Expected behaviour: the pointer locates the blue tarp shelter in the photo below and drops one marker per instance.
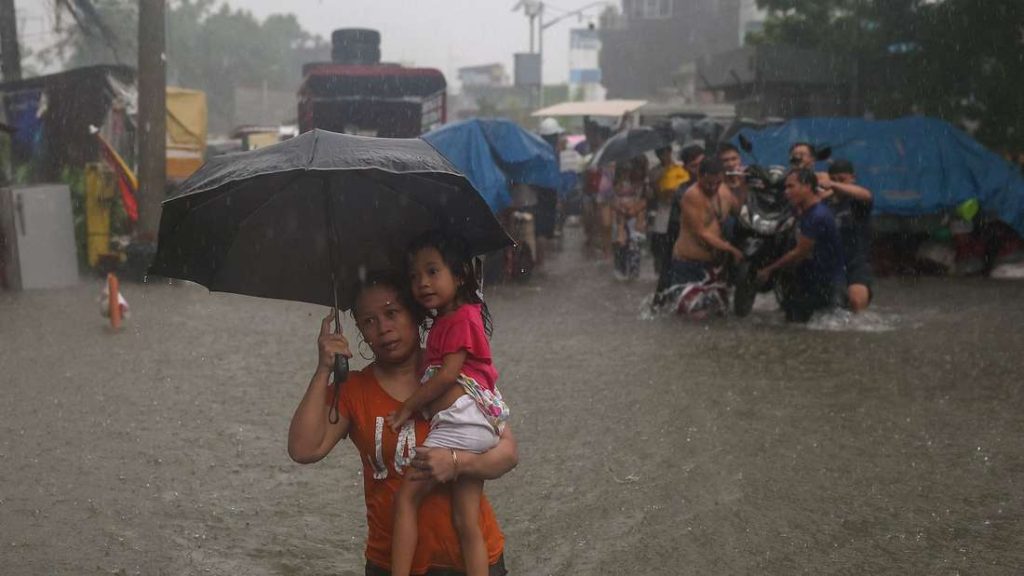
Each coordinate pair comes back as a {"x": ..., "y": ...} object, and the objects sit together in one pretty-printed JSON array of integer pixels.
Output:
[
  {"x": 495, "y": 153},
  {"x": 915, "y": 166}
]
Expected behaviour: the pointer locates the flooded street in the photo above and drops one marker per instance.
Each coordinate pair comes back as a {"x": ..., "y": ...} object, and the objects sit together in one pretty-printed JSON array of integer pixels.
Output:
[{"x": 891, "y": 445}]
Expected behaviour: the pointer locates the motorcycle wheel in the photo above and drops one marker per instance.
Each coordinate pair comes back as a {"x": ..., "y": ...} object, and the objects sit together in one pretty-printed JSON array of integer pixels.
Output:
[{"x": 746, "y": 290}]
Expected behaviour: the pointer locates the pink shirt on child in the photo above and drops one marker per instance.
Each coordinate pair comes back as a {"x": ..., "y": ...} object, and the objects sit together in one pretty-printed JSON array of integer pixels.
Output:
[{"x": 463, "y": 329}]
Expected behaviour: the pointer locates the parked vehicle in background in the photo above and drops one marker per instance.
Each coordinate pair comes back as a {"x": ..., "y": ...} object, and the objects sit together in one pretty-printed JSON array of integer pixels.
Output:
[
  {"x": 356, "y": 93},
  {"x": 186, "y": 132}
]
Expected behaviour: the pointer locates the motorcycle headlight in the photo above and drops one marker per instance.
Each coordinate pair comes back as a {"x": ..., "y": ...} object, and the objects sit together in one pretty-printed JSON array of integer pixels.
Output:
[{"x": 764, "y": 225}]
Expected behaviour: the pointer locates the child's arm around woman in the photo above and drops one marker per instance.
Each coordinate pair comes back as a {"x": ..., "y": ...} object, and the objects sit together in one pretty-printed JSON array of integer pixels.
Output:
[{"x": 444, "y": 381}]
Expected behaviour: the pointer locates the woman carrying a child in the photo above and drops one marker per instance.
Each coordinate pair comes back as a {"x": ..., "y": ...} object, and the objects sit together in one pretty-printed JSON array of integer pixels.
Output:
[
  {"x": 389, "y": 320},
  {"x": 629, "y": 212}
]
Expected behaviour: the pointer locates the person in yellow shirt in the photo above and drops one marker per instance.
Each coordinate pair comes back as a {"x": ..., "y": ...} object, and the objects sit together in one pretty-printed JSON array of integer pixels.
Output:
[{"x": 664, "y": 178}]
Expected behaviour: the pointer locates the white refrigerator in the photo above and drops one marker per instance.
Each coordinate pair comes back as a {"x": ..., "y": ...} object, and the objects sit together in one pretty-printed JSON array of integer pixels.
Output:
[{"x": 38, "y": 241}]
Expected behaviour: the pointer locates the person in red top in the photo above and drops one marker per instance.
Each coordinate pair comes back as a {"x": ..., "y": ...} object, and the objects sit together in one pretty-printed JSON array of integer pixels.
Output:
[
  {"x": 467, "y": 411},
  {"x": 388, "y": 320}
]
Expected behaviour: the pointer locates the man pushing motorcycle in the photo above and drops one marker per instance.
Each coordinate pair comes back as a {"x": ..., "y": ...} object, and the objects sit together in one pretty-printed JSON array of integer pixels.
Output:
[{"x": 818, "y": 280}]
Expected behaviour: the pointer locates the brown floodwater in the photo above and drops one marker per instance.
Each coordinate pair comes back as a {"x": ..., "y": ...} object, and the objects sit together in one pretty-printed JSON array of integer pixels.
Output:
[{"x": 889, "y": 444}]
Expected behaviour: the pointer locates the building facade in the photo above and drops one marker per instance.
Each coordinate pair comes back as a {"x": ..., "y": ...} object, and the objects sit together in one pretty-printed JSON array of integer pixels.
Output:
[{"x": 644, "y": 44}]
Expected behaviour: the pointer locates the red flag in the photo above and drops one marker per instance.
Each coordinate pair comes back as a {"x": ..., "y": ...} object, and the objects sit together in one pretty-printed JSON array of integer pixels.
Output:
[{"x": 126, "y": 180}]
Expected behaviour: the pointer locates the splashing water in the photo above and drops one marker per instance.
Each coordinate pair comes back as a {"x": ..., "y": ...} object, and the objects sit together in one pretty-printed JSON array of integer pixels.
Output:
[
  {"x": 766, "y": 311},
  {"x": 845, "y": 321}
]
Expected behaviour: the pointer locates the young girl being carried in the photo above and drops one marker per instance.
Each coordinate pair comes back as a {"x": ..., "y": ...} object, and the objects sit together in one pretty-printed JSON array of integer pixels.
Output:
[{"x": 458, "y": 390}]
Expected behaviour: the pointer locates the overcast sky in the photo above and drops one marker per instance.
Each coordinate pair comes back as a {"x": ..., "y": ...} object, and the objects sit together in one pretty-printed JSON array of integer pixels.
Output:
[{"x": 445, "y": 34}]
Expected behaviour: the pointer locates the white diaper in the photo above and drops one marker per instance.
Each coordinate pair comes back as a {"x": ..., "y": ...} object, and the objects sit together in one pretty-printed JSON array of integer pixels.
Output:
[{"x": 461, "y": 426}]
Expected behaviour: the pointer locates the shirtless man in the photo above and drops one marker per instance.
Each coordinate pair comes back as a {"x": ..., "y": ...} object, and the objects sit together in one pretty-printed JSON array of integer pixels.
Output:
[{"x": 700, "y": 245}]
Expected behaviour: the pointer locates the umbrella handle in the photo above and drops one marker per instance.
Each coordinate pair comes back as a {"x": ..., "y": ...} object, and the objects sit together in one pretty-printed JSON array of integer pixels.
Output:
[
  {"x": 340, "y": 362},
  {"x": 340, "y": 369},
  {"x": 340, "y": 375}
]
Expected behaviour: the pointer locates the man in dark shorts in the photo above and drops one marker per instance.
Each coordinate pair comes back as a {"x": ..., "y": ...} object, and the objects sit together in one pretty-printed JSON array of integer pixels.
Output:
[
  {"x": 818, "y": 281},
  {"x": 852, "y": 206}
]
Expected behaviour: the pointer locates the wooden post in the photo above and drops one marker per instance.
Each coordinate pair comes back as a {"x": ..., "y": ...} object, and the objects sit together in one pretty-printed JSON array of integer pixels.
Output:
[{"x": 152, "y": 118}]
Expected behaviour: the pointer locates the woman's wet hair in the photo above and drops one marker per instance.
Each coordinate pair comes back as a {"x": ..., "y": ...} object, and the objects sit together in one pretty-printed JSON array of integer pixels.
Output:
[
  {"x": 399, "y": 283},
  {"x": 455, "y": 253}
]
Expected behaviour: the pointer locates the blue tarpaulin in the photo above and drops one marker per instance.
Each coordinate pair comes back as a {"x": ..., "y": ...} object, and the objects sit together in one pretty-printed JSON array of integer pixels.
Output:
[
  {"x": 493, "y": 153},
  {"x": 914, "y": 166}
]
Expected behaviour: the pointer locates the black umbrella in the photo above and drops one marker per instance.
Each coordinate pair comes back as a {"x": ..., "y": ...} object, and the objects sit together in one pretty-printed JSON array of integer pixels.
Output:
[
  {"x": 631, "y": 143},
  {"x": 307, "y": 218}
]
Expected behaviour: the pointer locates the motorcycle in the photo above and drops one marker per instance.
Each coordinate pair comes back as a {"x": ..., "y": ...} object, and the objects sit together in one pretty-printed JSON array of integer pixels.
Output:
[{"x": 764, "y": 232}]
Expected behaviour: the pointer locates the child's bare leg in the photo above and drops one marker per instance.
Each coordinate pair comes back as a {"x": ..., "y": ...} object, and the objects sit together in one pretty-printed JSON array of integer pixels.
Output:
[
  {"x": 404, "y": 531},
  {"x": 466, "y": 495}
]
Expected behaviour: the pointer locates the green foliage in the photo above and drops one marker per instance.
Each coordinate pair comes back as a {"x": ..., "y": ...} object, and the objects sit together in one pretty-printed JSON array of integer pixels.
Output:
[
  {"x": 960, "y": 60},
  {"x": 75, "y": 179},
  {"x": 209, "y": 47}
]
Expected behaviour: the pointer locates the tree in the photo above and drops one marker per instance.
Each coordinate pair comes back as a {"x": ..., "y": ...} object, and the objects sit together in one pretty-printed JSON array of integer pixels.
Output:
[
  {"x": 959, "y": 60},
  {"x": 209, "y": 48}
]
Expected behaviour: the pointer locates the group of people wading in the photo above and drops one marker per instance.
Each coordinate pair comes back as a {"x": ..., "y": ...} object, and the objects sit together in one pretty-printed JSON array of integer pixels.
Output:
[{"x": 688, "y": 211}]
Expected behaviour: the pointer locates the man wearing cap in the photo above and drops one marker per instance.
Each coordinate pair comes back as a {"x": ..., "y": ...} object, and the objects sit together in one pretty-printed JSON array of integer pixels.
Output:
[
  {"x": 546, "y": 213},
  {"x": 550, "y": 131},
  {"x": 852, "y": 205}
]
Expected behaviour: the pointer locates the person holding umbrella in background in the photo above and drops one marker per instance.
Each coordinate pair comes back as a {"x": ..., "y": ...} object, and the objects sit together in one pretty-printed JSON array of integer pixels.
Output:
[{"x": 629, "y": 216}]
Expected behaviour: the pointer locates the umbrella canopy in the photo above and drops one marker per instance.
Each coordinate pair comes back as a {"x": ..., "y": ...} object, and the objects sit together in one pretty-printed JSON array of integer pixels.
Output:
[
  {"x": 632, "y": 143},
  {"x": 291, "y": 220},
  {"x": 493, "y": 152}
]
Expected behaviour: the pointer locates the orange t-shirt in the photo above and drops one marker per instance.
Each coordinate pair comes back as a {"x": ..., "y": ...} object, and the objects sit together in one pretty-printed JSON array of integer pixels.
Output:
[{"x": 385, "y": 455}]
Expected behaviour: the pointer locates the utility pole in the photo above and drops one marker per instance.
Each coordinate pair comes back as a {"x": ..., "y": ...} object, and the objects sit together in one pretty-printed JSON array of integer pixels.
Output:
[
  {"x": 10, "y": 54},
  {"x": 534, "y": 9},
  {"x": 152, "y": 124}
]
